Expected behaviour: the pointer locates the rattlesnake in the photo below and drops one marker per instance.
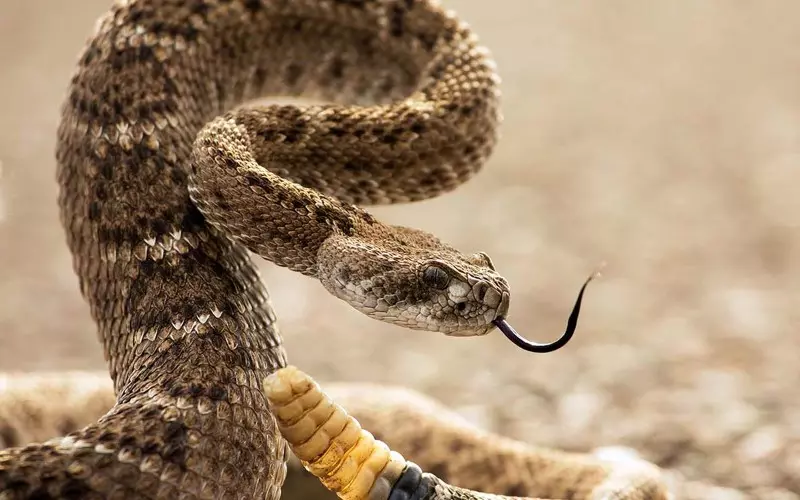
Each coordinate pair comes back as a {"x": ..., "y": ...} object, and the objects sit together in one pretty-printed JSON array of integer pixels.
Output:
[{"x": 164, "y": 187}]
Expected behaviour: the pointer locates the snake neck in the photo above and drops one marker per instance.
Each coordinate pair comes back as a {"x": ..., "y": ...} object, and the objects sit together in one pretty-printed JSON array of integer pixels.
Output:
[
  {"x": 185, "y": 323},
  {"x": 415, "y": 117},
  {"x": 420, "y": 121},
  {"x": 242, "y": 196}
]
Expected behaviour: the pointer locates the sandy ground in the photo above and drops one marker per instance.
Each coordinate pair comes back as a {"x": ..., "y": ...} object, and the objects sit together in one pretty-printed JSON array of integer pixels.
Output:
[{"x": 660, "y": 137}]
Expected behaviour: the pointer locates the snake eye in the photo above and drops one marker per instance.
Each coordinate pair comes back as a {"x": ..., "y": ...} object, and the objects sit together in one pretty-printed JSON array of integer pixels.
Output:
[{"x": 436, "y": 277}]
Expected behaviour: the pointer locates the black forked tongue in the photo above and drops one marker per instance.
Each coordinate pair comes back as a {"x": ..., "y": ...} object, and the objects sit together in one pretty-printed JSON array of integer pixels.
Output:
[{"x": 529, "y": 346}]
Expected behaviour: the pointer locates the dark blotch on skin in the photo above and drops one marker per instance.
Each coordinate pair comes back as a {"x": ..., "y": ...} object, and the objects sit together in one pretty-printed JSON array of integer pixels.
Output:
[
  {"x": 254, "y": 180},
  {"x": 175, "y": 447},
  {"x": 397, "y": 21},
  {"x": 330, "y": 216},
  {"x": 203, "y": 280},
  {"x": 253, "y": 6}
]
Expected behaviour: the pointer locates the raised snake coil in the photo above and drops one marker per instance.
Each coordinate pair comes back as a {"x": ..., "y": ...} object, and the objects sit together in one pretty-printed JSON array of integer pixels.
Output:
[{"x": 160, "y": 200}]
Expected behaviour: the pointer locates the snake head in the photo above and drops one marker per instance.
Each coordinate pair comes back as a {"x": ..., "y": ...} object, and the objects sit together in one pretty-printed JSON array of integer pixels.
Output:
[
  {"x": 432, "y": 289},
  {"x": 466, "y": 295}
]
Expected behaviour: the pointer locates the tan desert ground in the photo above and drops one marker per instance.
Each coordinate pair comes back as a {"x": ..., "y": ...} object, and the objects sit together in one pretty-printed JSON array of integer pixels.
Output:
[{"x": 660, "y": 137}]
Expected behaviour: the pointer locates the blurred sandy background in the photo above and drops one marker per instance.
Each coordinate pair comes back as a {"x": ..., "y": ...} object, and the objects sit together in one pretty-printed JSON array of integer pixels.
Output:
[{"x": 661, "y": 137}]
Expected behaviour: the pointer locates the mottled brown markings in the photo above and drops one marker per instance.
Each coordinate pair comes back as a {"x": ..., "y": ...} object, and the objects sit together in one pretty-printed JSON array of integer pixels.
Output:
[
  {"x": 134, "y": 67},
  {"x": 15, "y": 486},
  {"x": 263, "y": 183},
  {"x": 74, "y": 488},
  {"x": 150, "y": 447},
  {"x": 215, "y": 392},
  {"x": 360, "y": 4},
  {"x": 123, "y": 193},
  {"x": 160, "y": 226},
  {"x": 219, "y": 198},
  {"x": 176, "y": 23},
  {"x": 54, "y": 485},
  {"x": 253, "y": 6},
  {"x": 107, "y": 437},
  {"x": 333, "y": 217},
  {"x": 94, "y": 211},
  {"x": 175, "y": 440},
  {"x": 202, "y": 281},
  {"x": 193, "y": 220},
  {"x": 397, "y": 20},
  {"x": 107, "y": 209},
  {"x": 428, "y": 41},
  {"x": 201, "y": 352},
  {"x": 339, "y": 132}
]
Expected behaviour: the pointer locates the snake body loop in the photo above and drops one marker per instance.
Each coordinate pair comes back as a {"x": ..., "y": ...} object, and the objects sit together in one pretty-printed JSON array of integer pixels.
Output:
[
  {"x": 166, "y": 183},
  {"x": 184, "y": 320}
]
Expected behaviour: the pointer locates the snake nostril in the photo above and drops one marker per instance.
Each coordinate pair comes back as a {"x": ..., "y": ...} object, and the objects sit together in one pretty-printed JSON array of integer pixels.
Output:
[{"x": 461, "y": 306}]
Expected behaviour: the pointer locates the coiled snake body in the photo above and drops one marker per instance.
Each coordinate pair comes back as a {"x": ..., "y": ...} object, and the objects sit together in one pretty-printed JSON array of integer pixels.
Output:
[{"x": 163, "y": 189}]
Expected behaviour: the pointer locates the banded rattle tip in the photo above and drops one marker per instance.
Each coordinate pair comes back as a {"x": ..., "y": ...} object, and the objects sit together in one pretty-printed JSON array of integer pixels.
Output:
[{"x": 330, "y": 443}]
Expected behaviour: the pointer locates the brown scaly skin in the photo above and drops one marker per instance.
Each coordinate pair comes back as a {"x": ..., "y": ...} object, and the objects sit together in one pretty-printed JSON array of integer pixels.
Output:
[
  {"x": 396, "y": 274},
  {"x": 39, "y": 406},
  {"x": 183, "y": 317}
]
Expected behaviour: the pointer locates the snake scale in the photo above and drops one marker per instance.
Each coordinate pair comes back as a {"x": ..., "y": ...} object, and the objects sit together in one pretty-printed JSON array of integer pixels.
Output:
[{"x": 166, "y": 185}]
